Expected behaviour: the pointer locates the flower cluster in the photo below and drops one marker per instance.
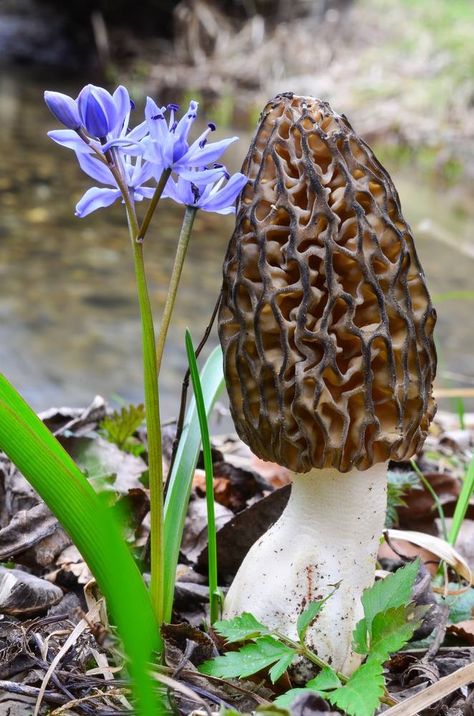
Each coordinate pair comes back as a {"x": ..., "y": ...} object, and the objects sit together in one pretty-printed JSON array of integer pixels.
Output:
[{"x": 115, "y": 156}]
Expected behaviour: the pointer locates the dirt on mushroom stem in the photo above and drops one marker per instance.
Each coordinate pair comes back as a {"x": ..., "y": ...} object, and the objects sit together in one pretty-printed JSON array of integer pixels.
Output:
[{"x": 328, "y": 533}]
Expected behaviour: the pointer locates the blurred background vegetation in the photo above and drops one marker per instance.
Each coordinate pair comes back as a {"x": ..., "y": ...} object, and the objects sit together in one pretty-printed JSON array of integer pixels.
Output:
[{"x": 401, "y": 70}]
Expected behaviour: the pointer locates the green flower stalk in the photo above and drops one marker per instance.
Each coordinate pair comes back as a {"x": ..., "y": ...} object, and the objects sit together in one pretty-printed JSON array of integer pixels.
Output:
[
  {"x": 122, "y": 161},
  {"x": 183, "y": 243}
]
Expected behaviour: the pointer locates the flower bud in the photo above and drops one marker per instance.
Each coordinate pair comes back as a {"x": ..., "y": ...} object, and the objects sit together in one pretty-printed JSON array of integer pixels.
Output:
[
  {"x": 64, "y": 109},
  {"x": 97, "y": 110}
]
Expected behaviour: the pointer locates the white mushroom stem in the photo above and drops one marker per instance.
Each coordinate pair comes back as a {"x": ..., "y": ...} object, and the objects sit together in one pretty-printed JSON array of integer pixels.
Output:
[{"x": 329, "y": 532}]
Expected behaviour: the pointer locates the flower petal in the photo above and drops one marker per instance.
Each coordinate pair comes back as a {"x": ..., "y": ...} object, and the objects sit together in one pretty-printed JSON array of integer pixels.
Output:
[
  {"x": 64, "y": 109},
  {"x": 134, "y": 149},
  {"x": 138, "y": 133},
  {"x": 70, "y": 139},
  {"x": 121, "y": 99},
  {"x": 96, "y": 198},
  {"x": 97, "y": 110},
  {"x": 156, "y": 121},
  {"x": 199, "y": 156},
  {"x": 179, "y": 191},
  {"x": 96, "y": 169},
  {"x": 206, "y": 176},
  {"x": 143, "y": 192},
  {"x": 141, "y": 173},
  {"x": 185, "y": 123},
  {"x": 179, "y": 135},
  {"x": 222, "y": 201}
]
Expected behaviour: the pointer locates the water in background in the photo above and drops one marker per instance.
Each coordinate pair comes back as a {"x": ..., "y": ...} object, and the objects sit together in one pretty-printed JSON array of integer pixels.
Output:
[{"x": 68, "y": 315}]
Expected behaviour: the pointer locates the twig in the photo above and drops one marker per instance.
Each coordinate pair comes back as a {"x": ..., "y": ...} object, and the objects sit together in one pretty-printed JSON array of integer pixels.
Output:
[
  {"x": 32, "y": 691},
  {"x": 440, "y": 632},
  {"x": 434, "y": 693}
]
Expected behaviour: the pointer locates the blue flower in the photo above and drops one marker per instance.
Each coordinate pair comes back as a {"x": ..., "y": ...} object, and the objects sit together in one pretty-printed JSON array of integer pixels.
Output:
[
  {"x": 167, "y": 144},
  {"x": 216, "y": 195},
  {"x": 104, "y": 116},
  {"x": 97, "y": 121},
  {"x": 64, "y": 108},
  {"x": 135, "y": 171},
  {"x": 98, "y": 110}
]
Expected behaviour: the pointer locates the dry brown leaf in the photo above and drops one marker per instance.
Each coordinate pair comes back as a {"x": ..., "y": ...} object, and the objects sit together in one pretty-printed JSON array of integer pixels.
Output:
[
  {"x": 235, "y": 538},
  {"x": 71, "y": 562},
  {"x": 434, "y": 693},
  {"x": 437, "y": 546},
  {"x": 274, "y": 474},
  {"x": 222, "y": 487},
  {"x": 420, "y": 503},
  {"x": 24, "y": 594},
  {"x": 400, "y": 548},
  {"x": 464, "y": 629},
  {"x": 27, "y": 528}
]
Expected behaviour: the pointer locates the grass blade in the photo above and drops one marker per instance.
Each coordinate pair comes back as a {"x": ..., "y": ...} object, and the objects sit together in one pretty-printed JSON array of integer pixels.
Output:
[
  {"x": 90, "y": 524},
  {"x": 177, "y": 498},
  {"x": 214, "y": 599},
  {"x": 462, "y": 504}
]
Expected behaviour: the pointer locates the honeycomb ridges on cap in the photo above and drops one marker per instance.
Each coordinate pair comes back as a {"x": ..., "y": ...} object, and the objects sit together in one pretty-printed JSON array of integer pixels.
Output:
[{"x": 326, "y": 323}]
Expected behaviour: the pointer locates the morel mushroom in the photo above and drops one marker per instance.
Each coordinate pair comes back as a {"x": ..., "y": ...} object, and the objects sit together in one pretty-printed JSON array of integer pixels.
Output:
[{"x": 326, "y": 326}]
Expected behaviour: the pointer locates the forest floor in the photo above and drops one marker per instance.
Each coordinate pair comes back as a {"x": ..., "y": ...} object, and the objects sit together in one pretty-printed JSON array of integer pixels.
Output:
[{"x": 52, "y": 617}]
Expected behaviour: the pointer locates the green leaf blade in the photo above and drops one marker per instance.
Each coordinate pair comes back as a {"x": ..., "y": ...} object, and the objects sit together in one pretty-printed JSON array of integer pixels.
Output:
[
  {"x": 326, "y": 680},
  {"x": 309, "y": 614},
  {"x": 214, "y": 601},
  {"x": 392, "y": 592},
  {"x": 280, "y": 667},
  {"x": 391, "y": 630},
  {"x": 119, "y": 427},
  {"x": 248, "y": 660},
  {"x": 177, "y": 497},
  {"x": 285, "y": 700},
  {"x": 359, "y": 638},
  {"x": 240, "y": 628},
  {"x": 360, "y": 696},
  {"x": 307, "y": 617},
  {"x": 90, "y": 524}
]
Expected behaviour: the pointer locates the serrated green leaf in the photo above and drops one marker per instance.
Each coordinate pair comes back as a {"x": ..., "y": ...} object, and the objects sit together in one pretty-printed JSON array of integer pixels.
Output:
[
  {"x": 359, "y": 638},
  {"x": 391, "y": 592},
  {"x": 240, "y": 628},
  {"x": 309, "y": 615},
  {"x": 306, "y": 617},
  {"x": 391, "y": 630},
  {"x": 360, "y": 696},
  {"x": 326, "y": 680},
  {"x": 280, "y": 667},
  {"x": 271, "y": 710},
  {"x": 286, "y": 699},
  {"x": 248, "y": 660},
  {"x": 120, "y": 426}
]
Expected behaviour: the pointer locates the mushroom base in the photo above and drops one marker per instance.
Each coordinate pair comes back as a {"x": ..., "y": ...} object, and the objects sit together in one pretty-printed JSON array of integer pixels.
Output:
[{"x": 329, "y": 532}]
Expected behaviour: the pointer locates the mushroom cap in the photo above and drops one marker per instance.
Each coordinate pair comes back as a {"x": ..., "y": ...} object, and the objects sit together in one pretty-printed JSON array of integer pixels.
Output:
[{"x": 325, "y": 323}]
